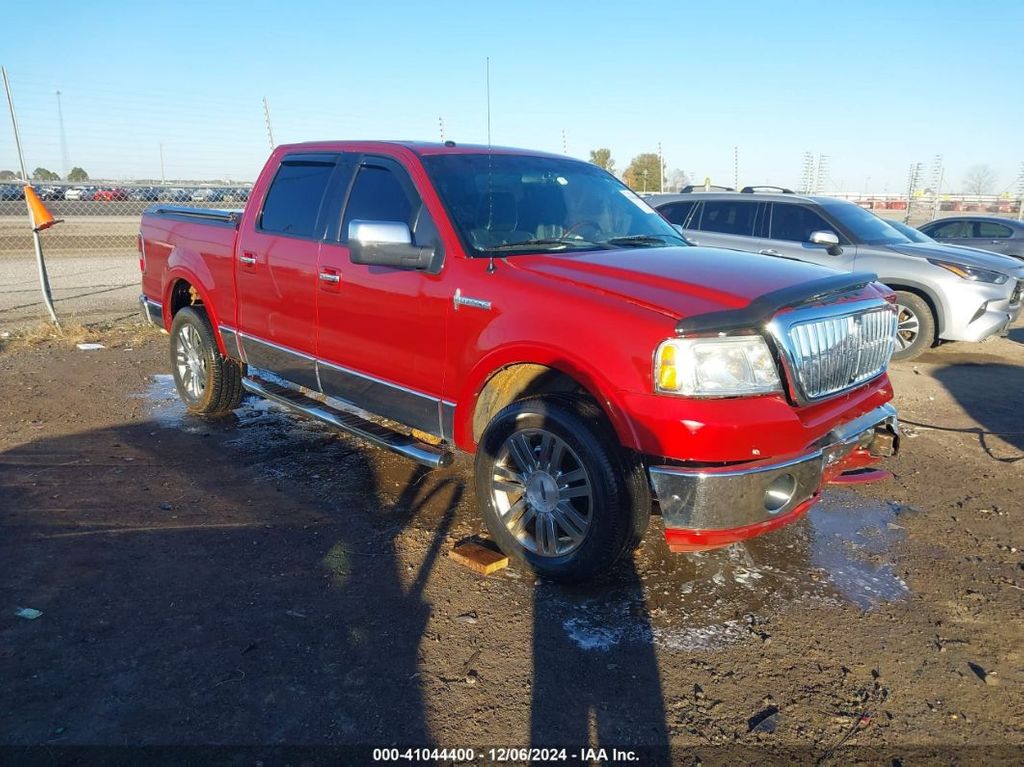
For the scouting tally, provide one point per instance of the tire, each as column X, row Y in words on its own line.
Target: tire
column 207, row 382
column 915, row 332
column 526, row 454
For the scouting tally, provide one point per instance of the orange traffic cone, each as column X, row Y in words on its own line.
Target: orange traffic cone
column 41, row 217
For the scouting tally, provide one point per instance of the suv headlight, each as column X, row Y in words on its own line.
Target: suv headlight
column 971, row 272
column 730, row 366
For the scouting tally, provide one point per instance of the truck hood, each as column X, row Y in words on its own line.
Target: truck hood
column 982, row 259
column 678, row 282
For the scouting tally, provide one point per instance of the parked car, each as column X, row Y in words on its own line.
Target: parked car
column 998, row 235
column 174, row 194
column 942, row 293
column 11, row 192
column 467, row 294
column 49, row 193
column 110, row 194
column 79, row 193
column 143, row 194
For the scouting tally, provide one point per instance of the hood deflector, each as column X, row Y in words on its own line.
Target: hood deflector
column 763, row 308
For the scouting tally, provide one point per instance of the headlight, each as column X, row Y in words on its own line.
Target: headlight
column 715, row 367
column 971, row 272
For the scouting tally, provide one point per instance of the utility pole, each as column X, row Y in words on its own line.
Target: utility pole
column 163, row 177
column 63, row 139
column 661, row 168
column 938, row 175
column 44, row 278
column 913, row 179
column 440, row 122
column 565, row 143
column 735, row 167
column 266, row 116
column 1020, row 192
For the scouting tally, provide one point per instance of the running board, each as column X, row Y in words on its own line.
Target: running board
column 403, row 444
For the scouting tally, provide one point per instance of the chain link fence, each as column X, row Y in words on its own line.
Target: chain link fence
column 99, row 154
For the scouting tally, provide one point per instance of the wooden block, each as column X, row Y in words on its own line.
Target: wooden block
column 478, row 558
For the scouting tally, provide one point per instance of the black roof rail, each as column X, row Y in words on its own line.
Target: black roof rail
column 705, row 188
column 766, row 188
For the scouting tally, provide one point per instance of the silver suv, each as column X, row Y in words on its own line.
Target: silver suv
column 944, row 291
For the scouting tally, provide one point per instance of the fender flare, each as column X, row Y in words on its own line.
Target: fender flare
column 583, row 373
column 177, row 270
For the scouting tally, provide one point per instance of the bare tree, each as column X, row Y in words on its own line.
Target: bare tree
column 980, row 179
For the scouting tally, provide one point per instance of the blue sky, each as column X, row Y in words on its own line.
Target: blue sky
column 873, row 85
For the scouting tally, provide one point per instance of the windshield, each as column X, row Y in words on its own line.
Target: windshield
column 912, row 234
column 864, row 225
column 507, row 204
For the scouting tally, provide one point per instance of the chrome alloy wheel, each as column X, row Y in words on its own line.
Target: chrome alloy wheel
column 908, row 327
column 542, row 493
column 191, row 362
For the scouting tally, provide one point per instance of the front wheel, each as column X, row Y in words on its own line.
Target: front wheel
column 557, row 490
column 207, row 381
column 915, row 329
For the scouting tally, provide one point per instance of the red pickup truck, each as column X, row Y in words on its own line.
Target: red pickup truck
column 530, row 309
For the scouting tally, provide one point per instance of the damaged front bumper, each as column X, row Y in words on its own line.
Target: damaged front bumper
column 710, row 507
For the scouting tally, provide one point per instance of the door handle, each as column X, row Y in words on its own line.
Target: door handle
column 248, row 258
column 332, row 279
column 769, row 252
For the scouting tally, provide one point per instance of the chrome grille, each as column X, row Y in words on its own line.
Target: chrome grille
column 829, row 354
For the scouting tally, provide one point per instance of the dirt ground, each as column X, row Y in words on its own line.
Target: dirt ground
column 262, row 581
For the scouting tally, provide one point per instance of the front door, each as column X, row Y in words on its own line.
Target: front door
column 789, row 234
column 276, row 273
column 381, row 330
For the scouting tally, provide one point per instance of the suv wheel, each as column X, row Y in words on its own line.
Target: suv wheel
column 915, row 329
column 557, row 490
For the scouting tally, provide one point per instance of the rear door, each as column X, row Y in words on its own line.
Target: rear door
column 731, row 223
column 789, row 233
column 276, row 270
column 381, row 329
column 991, row 235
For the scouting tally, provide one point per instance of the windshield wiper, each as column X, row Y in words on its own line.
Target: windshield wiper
column 545, row 242
column 641, row 239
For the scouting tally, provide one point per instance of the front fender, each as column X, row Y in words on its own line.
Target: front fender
column 588, row 376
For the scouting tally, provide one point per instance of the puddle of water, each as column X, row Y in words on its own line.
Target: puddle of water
column 842, row 551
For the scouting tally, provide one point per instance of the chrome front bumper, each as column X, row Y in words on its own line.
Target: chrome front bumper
column 734, row 497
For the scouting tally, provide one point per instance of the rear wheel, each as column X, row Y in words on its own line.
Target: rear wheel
column 915, row 329
column 557, row 490
column 207, row 381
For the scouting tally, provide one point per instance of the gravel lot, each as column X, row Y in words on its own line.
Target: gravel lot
column 259, row 580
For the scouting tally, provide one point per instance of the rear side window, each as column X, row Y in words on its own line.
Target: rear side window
column 728, row 217
column 795, row 223
column 292, row 205
column 677, row 212
column 991, row 229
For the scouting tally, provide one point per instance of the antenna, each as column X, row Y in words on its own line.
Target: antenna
column 488, row 76
column 266, row 115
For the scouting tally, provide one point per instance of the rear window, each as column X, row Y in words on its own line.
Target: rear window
column 293, row 203
column 677, row 212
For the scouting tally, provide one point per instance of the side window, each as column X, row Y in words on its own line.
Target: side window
column 729, row 217
column 677, row 212
column 795, row 223
column 991, row 229
column 947, row 230
column 292, row 204
column 383, row 193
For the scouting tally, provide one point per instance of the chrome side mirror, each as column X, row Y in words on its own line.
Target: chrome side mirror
column 390, row 232
column 829, row 239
